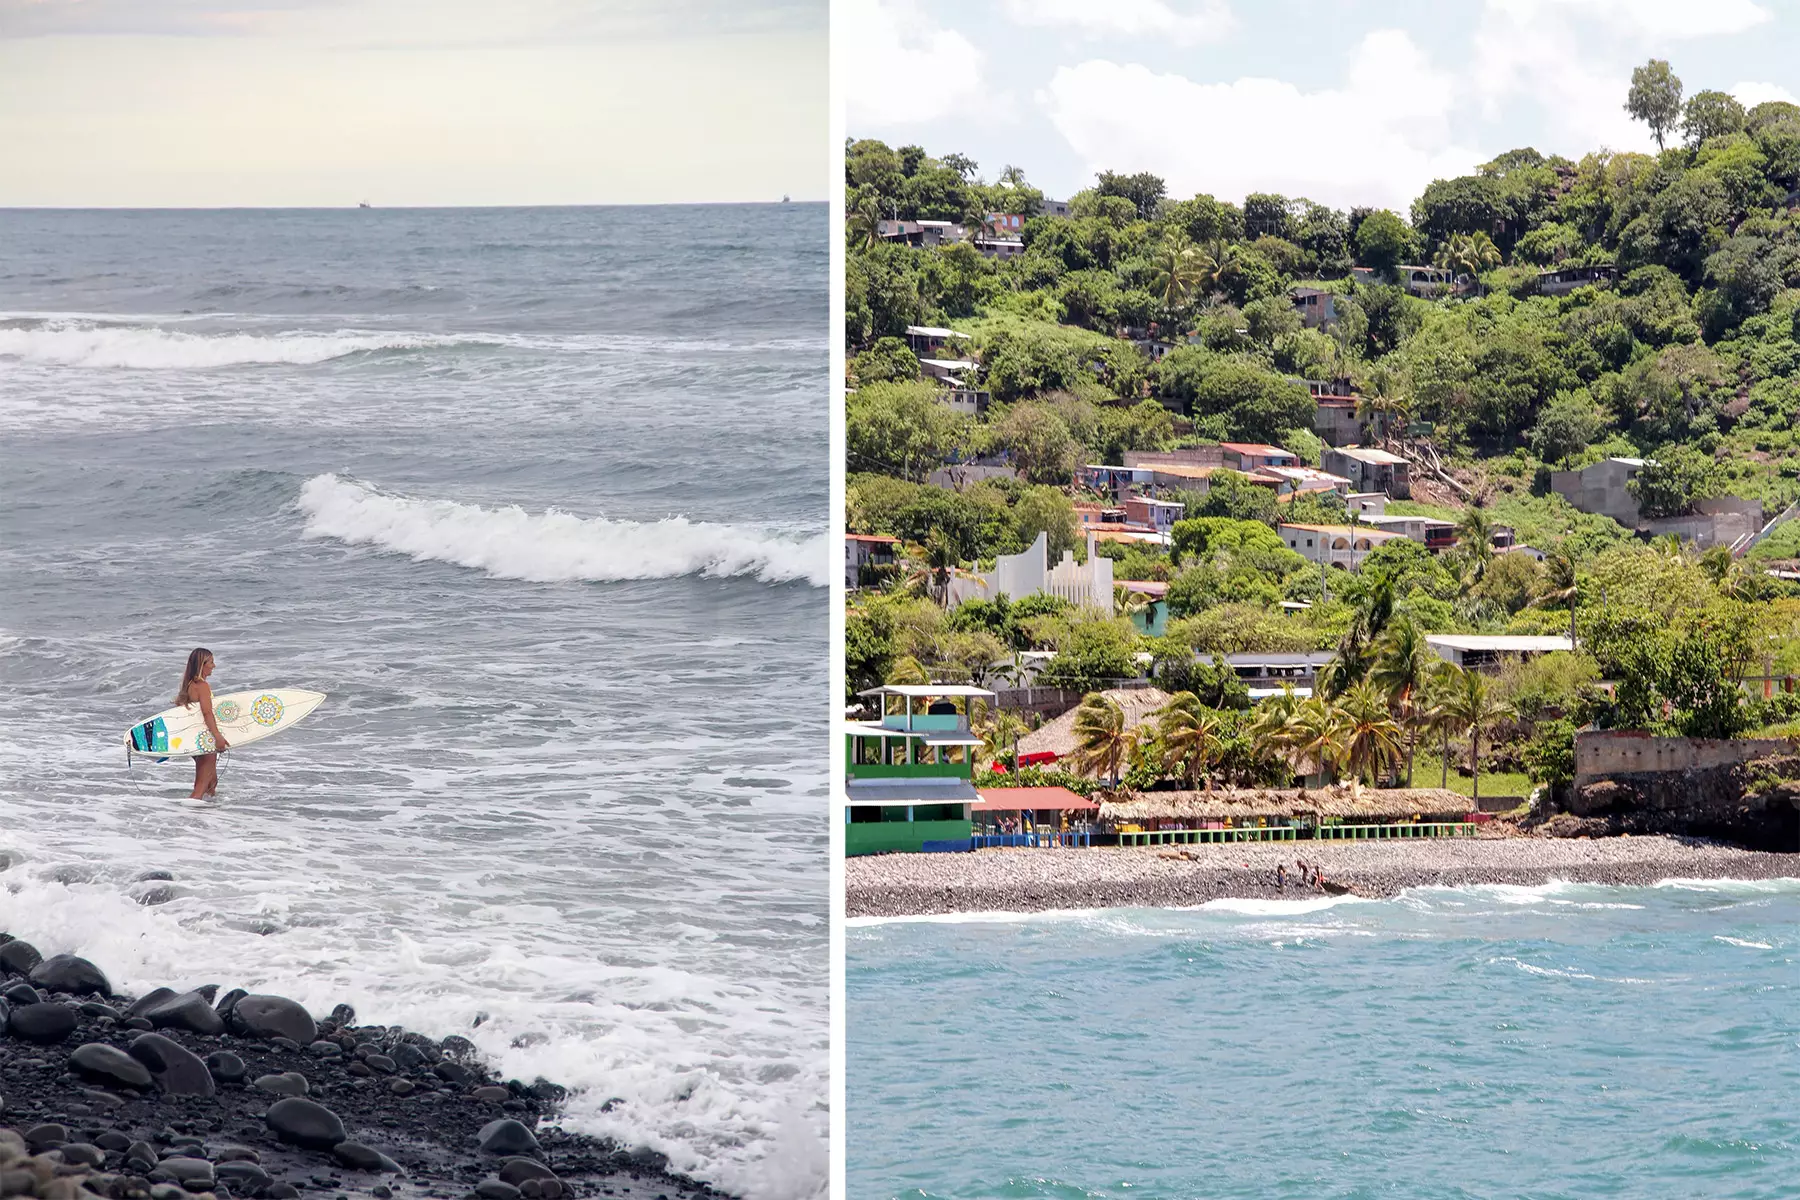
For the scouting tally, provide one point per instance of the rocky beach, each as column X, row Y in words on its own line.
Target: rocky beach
column 203, row 1093
column 1031, row 880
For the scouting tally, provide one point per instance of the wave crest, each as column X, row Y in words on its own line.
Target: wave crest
column 147, row 348
column 552, row 546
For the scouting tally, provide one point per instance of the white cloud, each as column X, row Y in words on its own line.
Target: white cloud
column 1380, row 138
column 901, row 69
column 1206, row 21
column 1751, row 93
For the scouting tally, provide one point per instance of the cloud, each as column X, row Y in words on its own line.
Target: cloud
column 1750, row 93
column 1645, row 20
column 1208, row 20
column 1380, row 138
column 904, row 71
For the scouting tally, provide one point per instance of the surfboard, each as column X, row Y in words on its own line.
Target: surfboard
column 243, row 717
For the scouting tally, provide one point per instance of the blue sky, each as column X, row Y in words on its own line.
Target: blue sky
column 412, row 102
column 1344, row 101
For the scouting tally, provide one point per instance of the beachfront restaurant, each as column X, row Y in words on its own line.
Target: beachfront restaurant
column 1033, row 816
column 909, row 776
column 1285, row 814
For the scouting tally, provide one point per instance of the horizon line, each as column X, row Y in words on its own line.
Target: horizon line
column 398, row 207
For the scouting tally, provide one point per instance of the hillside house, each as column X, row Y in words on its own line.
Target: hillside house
column 1152, row 620
column 1335, row 545
column 909, row 776
column 969, row 401
column 1000, row 247
column 1299, row 481
column 1316, row 306
column 1486, row 652
column 934, row 340
column 865, row 551
column 1425, row 281
column 962, row 476
column 1087, row 515
column 947, row 370
column 1054, row 208
column 1248, row 456
column 1370, row 470
column 1560, row 281
column 1601, row 488
column 1434, row 533
column 1266, row 672
column 919, row 233
column 1334, row 420
column 1159, row 515
column 1007, row 225
column 1117, row 482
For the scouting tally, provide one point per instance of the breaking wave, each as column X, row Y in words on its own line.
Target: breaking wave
column 552, row 546
column 147, row 348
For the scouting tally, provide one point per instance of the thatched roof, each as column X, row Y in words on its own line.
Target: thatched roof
column 1058, row 736
column 1378, row 803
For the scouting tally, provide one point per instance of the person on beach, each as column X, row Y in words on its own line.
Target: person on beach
column 1281, row 877
column 195, row 690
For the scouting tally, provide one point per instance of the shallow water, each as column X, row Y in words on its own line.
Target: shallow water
column 1561, row 1041
column 539, row 498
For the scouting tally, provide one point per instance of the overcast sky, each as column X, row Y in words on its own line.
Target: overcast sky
column 1344, row 101
column 412, row 102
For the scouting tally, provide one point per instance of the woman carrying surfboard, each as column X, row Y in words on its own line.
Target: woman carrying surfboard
column 195, row 690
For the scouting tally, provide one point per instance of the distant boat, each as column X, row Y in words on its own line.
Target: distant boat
column 784, row 198
column 362, row 204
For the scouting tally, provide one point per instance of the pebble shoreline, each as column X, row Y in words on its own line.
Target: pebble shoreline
column 199, row 1096
column 1028, row 880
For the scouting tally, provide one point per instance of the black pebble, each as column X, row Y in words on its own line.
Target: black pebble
column 44, row 1024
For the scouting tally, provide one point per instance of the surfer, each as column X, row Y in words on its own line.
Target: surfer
column 195, row 690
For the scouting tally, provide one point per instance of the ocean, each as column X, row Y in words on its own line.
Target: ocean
column 1565, row 1041
column 540, row 498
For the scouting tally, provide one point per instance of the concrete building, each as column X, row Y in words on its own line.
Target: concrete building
column 1425, row 281
column 865, row 550
column 1560, row 281
column 919, row 233
column 1720, row 521
column 948, row 370
column 1248, row 456
column 909, row 776
column 1316, row 306
column 969, row 401
column 1150, row 513
column 1334, row 420
column 1267, row 672
column 1335, row 545
column 1088, row 585
column 1000, row 247
column 1370, row 470
column 1008, row 225
column 1368, row 504
column 1300, row 481
column 934, row 339
column 1482, row 651
column 1434, row 533
column 1600, row 488
column 1117, row 482
column 1054, row 208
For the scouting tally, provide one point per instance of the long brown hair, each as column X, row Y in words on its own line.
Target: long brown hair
column 191, row 675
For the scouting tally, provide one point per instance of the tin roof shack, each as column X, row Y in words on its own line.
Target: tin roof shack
column 1560, row 281
column 1482, row 651
column 1370, row 470
column 909, row 776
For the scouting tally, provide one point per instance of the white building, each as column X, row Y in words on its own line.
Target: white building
column 1335, row 545
column 1478, row 650
column 1089, row 584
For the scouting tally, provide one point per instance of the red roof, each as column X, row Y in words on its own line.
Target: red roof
column 1256, row 448
column 871, row 537
column 1016, row 799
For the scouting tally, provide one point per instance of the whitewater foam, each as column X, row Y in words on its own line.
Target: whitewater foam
column 553, row 546
column 147, row 348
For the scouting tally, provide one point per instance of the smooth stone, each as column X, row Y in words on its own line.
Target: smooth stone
column 363, row 1158
column 245, row 1174
column 43, row 1137
column 285, row 1043
column 228, row 1001
column 283, row 1191
column 288, row 1083
column 113, row 1140
column 138, row 1023
column 274, row 1016
column 21, row 993
column 458, row 1048
column 343, row 1016
column 18, row 958
column 324, row 1049
column 178, row 1070
column 142, row 1151
column 226, row 1067
column 506, row 1136
column 100, row 1099
column 72, row 974
column 93, row 1008
column 517, row 1170
column 492, row 1094
column 154, row 876
column 381, row 1192
column 409, row 1057
column 157, row 893
column 361, row 1070
column 167, row 1191
column 382, row 1063
column 82, row 1154
column 451, row 1072
column 100, row 1063
column 400, row 1087
column 42, row 1024
column 187, row 1170
column 150, row 1000
column 305, row 1123
column 191, row 1011
column 494, row 1189
column 234, row 1153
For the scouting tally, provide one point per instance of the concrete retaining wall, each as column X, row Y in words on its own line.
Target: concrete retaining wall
column 1606, row 753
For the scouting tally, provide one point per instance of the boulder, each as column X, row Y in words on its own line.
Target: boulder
column 185, row 1170
column 71, row 974
column 18, row 958
column 226, row 1067
column 242, row 1175
column 494, row 1189
column 305, row 1124
column 177, row 1070
column 43, row 1024
column 517, row 1170
column 21, row 993
column 288, row 1083
column 103, row 1064
column 506, row 1136
column 150, row 1000
column 273, row 1017
column 363, row 1158
column 191, row 1011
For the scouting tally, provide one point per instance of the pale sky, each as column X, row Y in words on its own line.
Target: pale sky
column 216, row 103
column 1342, row 101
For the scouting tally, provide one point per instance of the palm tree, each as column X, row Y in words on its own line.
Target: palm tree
column 1179, row 270
column 1318, row 735
column 1102, row 743
column 906, row 671
column 1403, row 665
column 1560, row 588
column 1475, row 536
column 1191, row 735
column 1276, row 730
column 1471, row 706
column 1470, row 254
column 976, row 218
column 1128, row 603
column 1368, row 736
column 999, row 733
column 862, row 218
column 1381, row 413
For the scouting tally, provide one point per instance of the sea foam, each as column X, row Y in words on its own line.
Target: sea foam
column 147, row 348
column 554, row 546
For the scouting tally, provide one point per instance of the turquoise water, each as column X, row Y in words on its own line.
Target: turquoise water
column 1564, row 1041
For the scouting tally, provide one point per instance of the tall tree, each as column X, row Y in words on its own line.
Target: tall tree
column 1102, row 743
column 1180, row 268
column 1192, row 736
column 1403, row 666
column 1655, row 98
column 1710, row 114
column 1368, row 735
column 1472, row 707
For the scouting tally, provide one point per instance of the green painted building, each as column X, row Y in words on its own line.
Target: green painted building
column 909, row 777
